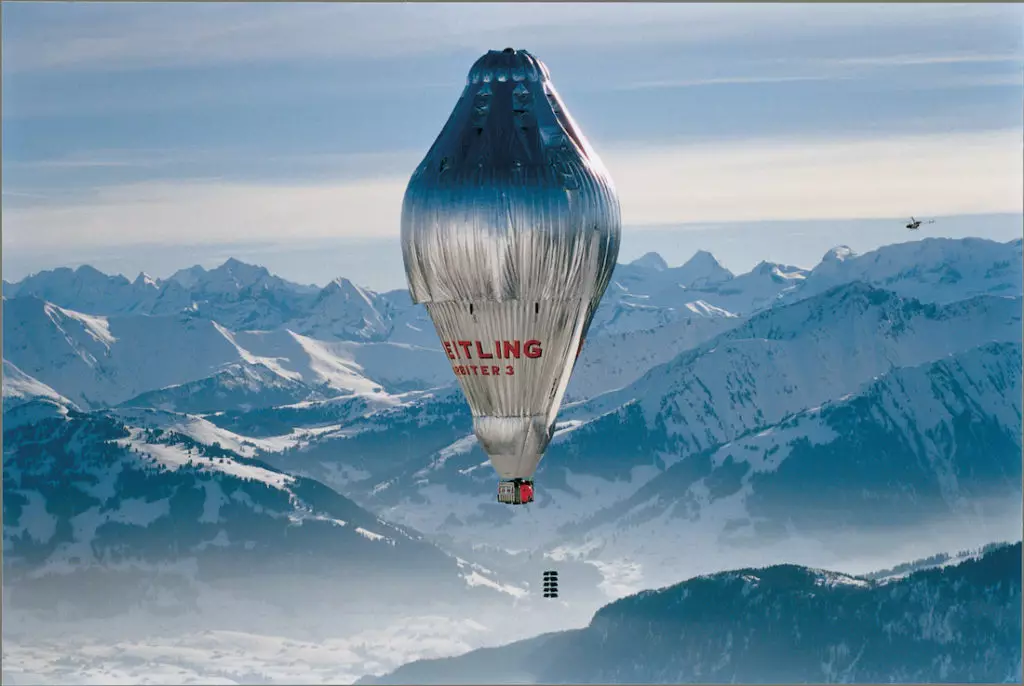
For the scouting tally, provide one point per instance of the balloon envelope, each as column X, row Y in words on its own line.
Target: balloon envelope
column 510, row 233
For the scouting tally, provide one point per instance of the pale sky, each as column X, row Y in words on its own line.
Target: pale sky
column 155, row 136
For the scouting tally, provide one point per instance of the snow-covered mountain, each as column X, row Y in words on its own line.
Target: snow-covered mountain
column 644, row 294
column 410, row 324
column 89, row 498
column 939, row 442
column 650, row 260
column 87, row 289
column 647, row 293
column 613, row 360
column 237, row 295
column 238, row 386
column 797, row 356
column 346, row 366
column 19, row 388
column 345, row 311
column 938, row 270
column 685, row 376
column 99, row 361
column 825, row 417
column 96, row 360
column 931, row 562
column 784, row 360
column 783, row 623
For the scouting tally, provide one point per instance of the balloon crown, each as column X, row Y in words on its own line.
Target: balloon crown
column 507, row 65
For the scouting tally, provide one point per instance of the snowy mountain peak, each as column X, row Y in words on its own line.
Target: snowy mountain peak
column 703, row 309
column 344, row 310
column 930, row 270
column 241, row 273
column 702, row 270
column 343, row 285
column 705, row 265
column 20, row 387
column 780, row 273
column 702, row 258
column 144, row 280
column 651, row 260
column 189, row 276
column 840, row 253
column 87, row 271
column 84, row 280
column 341, row 290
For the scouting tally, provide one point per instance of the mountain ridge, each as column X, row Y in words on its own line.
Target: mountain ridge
column 782, row 623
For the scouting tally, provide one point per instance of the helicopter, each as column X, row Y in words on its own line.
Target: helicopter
column 915, row 224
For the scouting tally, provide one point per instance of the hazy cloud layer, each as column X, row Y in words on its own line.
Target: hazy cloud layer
column 699, row 182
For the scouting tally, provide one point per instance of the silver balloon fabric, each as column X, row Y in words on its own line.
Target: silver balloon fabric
column 510, row 233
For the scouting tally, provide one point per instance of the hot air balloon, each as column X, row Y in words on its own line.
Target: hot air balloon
column 510, row 233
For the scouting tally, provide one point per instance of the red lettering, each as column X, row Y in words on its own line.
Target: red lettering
column 511, row 350
column 480, row 352
column 503, row 350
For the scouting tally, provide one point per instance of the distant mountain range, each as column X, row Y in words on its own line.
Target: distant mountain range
column 91, row 336
column 781, row 624
column 681, row 361
column 169, row 443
